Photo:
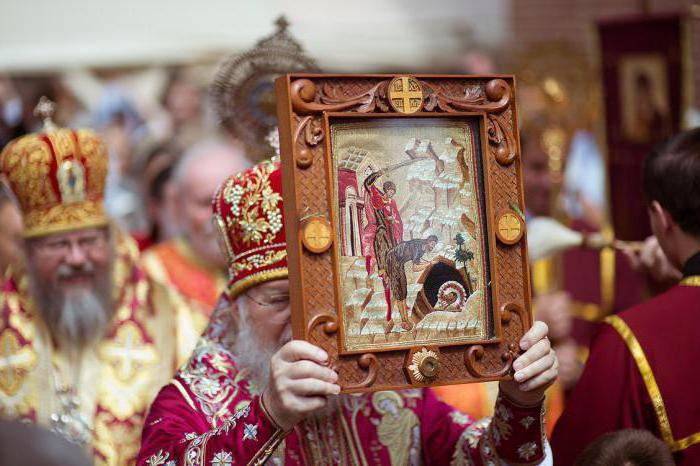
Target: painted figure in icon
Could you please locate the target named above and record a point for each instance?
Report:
(384, 228)
(406, 251)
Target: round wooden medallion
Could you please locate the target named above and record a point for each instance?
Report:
(405, 94)
(510, 227)
(317, 235)
(429, 367)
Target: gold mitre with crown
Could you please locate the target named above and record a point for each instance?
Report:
(58, 176)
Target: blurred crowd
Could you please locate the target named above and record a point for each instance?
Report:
(167, 156)
(148, 120)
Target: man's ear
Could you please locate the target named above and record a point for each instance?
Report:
(661, 216)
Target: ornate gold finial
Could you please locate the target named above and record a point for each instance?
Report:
(282, 23)
(45, 110)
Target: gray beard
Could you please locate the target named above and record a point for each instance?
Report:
(255, 357)
(77, 319)
(250, 354)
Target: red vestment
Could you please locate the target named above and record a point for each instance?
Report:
(641, 373)
(211, 414)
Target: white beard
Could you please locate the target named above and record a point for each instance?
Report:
(254, 356)
(250, 353)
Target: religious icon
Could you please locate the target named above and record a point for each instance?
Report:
(644, 97)
(71, 181)
(404, 229)
(411, 222)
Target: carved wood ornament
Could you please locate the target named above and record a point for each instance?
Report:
(306, 106)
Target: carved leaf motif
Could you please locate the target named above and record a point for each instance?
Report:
(307, 98)
(495, 98)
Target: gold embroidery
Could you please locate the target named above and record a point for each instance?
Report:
(469, 438)
(396, 428)
(81, 159)
(652, 387)
(127, 353)
(158, 459)
(128, 362)
(117, 441)
(26, 162)
(248, 201)
(256, 261)
(15, 361)
(256, 278)
(267, 449)
(607, 273)
(693, 280)
(184, 394)
(61, 218)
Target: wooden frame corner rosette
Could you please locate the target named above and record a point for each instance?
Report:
(311, 108)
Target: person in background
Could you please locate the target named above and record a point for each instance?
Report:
(190, 269)
(183, 100)
(10, 229)
(642, 370)
(83, 345)
(156, 193)
(627, 447)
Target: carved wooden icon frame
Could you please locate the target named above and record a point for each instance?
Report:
(335, 128)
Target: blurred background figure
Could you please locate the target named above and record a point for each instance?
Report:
(22, 444)
(83, 345)
(190, 268)
(634, 377)
(155, 188)
(10, 229)
(183, 100)
(628, 447)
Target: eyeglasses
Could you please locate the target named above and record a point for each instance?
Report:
(62, 246)
(276, 301)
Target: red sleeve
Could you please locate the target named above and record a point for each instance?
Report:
(377, 199)
(174, 432)
(515, 434)
(609, 396)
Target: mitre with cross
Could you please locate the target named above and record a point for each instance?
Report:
(248, 212)
(57, 175)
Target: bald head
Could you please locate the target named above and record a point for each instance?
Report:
(195, 179)
(209, 160)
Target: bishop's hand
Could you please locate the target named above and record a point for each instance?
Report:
(535, 370)
(299, 383)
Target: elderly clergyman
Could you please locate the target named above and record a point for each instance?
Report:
(83, 348)
(249, 394)
(190, 269)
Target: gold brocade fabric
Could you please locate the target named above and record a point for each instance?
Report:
(58, 178)
(116, 381)
(191, 288)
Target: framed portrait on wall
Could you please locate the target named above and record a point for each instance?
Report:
(644, 76)
(405, 226)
